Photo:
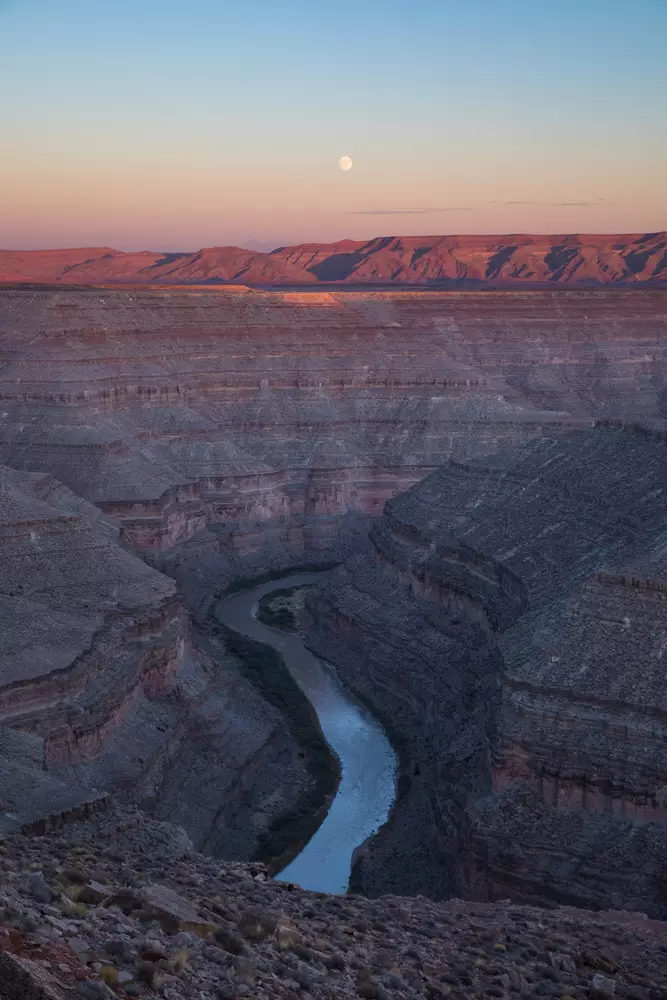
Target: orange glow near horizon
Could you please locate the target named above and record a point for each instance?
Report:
(122, 203)
(131, 128)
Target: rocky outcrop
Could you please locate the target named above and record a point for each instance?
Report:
(517, 259)
(105, 690)
(509, 618)
(86, 625)
(33, 799)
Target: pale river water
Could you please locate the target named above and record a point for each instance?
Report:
(368, 763)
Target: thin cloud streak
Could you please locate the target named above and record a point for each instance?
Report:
(563, 204)
(407, 211)
(520, 202)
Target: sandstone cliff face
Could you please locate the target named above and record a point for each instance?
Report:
(105, 691)
(432, 677)
(266, 413)
(510, 617)
(517, 259)
(85, 624)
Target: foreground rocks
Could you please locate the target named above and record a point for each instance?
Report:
(188, 928)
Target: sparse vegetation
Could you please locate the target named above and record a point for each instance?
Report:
(276, 609)
(247, 583)
(109, 975)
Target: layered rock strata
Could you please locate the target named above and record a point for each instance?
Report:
(104, 690)
(230, 433)
(271, 414)
(85, 624)
(509, 618)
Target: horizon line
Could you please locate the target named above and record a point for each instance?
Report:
(106, 248)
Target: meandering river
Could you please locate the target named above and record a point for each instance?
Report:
(368, 764)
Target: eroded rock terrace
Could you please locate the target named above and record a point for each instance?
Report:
(509, 621)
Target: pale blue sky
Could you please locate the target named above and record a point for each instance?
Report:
(158, 123)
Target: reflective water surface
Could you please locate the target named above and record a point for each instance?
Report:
(368, 763)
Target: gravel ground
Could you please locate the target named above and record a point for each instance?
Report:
(80, 922)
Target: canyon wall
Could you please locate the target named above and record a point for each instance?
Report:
(509, 618)
(105, 689)
(85, 624)
(224, 433)
(518, 259)
(267, 414)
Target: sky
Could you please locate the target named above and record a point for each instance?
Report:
(159, 124)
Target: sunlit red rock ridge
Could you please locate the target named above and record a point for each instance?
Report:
(511, 260)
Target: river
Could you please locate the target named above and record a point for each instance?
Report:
(368, 763)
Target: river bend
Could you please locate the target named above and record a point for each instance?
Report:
(368, 764)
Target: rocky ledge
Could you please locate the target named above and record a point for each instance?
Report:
(108, 692)
(85, 625)
(508, 622)
(93, 919)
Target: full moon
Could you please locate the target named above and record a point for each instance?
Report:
(345, 163)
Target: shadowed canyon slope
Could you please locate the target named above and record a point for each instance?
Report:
(508, 618)
(218, 433)
(517, 259)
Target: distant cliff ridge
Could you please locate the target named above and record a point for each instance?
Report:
(516, 259)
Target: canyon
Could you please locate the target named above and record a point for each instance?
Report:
(516, 259)
(508, 616)
(486, 471)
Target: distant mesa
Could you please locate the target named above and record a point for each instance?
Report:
(440, 261)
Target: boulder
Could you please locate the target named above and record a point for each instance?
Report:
(173, 911)
(21, 979)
